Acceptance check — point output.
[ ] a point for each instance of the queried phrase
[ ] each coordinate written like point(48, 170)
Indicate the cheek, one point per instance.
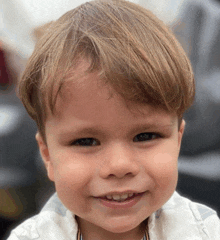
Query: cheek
point(164, 172)
point(72, 185)
point(71, 173)
point(165, 169)
point(165, 163)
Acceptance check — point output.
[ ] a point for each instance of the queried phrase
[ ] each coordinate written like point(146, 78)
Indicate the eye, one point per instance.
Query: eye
point(86, 142)
point(145, 137)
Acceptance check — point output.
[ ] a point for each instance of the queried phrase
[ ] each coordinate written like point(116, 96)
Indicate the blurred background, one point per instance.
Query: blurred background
point(24, 187)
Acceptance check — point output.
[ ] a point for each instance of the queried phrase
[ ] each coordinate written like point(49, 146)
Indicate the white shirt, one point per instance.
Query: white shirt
point(178, 219)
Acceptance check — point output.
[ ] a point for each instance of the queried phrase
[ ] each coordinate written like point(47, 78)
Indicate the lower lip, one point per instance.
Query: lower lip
point(121, 205)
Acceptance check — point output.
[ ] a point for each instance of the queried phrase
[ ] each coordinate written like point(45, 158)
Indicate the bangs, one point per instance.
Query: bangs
point(133, 51)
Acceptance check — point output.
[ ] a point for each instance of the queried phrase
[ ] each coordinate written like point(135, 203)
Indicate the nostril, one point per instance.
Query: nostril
point(120, 175)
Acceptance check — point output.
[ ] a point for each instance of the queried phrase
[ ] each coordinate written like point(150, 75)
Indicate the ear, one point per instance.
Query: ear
point(45, 156)
point(181, 131)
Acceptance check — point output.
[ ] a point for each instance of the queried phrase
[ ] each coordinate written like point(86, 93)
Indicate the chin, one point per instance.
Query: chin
point(121, 226)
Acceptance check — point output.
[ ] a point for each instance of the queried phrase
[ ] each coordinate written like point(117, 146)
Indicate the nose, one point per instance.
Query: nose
point(119, 161)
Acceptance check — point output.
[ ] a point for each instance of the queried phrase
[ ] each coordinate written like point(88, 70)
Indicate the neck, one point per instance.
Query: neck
point(91, 232)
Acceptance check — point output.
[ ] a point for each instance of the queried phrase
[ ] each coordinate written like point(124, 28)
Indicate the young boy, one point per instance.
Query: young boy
point(108, 85)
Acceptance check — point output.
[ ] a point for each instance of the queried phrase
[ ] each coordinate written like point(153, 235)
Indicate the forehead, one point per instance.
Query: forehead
point(88, 102)
point(82, 87)
point(80, 82)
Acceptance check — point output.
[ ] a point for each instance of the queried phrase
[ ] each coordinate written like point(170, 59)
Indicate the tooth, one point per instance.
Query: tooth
point(124, 196)
point(109, 197)
point(130, 194)
point(116, 197)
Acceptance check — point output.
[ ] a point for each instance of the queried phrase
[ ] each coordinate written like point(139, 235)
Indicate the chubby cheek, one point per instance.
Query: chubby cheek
point(166, 165)
point(165, 175)
point(72, 180)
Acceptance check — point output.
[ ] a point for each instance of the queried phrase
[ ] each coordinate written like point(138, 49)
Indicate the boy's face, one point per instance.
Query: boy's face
point(98, 149)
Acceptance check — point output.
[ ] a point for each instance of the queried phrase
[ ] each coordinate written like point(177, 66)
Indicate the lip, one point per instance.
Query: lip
point(121, 205)
point(119, 193)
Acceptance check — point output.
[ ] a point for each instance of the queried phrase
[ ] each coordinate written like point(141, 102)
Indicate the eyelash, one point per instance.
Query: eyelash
point(90, 142)
point(146, 137)
point(86, 142)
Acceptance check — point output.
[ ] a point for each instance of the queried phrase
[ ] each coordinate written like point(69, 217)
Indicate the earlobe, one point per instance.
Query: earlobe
point(45, 156)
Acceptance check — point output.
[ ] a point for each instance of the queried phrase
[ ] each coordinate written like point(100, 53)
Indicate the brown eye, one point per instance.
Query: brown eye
point(145, 137)
point(86, 142)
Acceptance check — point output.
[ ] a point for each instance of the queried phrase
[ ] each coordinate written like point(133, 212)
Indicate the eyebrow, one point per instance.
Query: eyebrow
point(79, 131)
point(153, 127)
point(96, 130)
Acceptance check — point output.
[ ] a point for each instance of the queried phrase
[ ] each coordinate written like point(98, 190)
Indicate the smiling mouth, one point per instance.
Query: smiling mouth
point(120, 197)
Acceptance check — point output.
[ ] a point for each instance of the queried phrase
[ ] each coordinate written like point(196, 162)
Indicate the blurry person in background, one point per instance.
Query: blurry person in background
point(198, 30)
point(23, 183)
point(4, 77)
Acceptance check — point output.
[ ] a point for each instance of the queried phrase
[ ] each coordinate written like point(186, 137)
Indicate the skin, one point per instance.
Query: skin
point(97, 145)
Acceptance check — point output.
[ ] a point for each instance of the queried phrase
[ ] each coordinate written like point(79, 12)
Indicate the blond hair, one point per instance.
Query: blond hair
point(134, 52)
